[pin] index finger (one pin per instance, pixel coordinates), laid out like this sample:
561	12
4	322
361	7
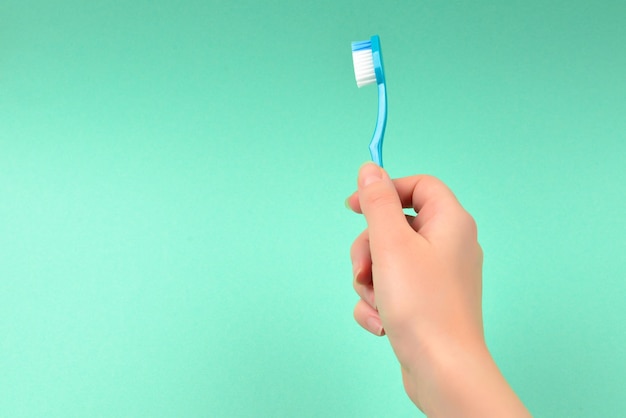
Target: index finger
415	192
435	203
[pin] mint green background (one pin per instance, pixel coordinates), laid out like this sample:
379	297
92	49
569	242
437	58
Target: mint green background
173	240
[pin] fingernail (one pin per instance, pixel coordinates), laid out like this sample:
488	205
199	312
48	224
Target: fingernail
370	173
347	203
375	326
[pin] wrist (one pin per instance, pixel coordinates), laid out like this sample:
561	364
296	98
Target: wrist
461	380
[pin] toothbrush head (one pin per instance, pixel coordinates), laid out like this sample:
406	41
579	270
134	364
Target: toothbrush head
368	62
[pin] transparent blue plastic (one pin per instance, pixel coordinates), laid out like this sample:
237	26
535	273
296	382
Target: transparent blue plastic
376	144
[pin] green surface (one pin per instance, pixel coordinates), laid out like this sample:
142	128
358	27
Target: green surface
173	240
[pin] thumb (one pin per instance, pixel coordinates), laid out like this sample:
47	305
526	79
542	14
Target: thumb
381	206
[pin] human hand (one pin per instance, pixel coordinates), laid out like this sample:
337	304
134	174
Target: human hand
420	283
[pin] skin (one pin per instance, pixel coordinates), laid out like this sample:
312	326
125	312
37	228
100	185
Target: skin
419	279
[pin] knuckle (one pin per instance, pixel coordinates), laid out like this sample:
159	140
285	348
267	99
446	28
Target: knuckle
468	224
357	245
358	312
353	250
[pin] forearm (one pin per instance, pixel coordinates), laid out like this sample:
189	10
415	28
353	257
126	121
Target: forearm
465	382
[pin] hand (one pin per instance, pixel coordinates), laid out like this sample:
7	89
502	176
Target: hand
420	283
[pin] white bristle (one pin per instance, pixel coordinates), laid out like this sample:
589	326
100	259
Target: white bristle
364	73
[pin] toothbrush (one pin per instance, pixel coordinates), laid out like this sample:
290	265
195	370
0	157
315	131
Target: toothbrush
368	69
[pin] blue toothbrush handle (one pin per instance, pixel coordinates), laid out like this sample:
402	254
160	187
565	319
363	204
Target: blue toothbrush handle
376	144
